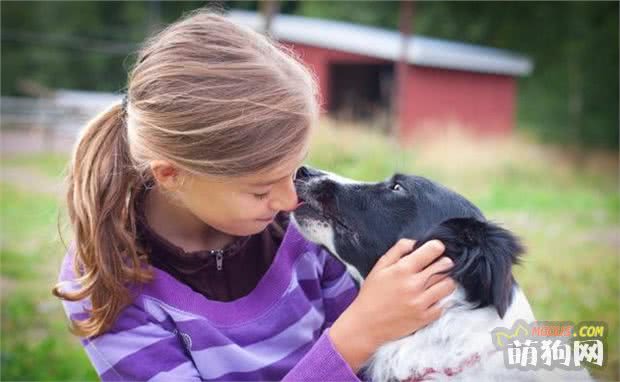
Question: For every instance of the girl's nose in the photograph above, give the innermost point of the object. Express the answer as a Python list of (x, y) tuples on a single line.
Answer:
[(288, 200)]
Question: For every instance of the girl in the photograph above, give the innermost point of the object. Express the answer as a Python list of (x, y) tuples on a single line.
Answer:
[(183, 265)]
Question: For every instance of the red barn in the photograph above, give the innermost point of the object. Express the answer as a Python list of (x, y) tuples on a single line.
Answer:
[(445, 82)]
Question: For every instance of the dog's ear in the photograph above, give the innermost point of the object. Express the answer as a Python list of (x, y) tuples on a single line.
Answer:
[(483, 254)]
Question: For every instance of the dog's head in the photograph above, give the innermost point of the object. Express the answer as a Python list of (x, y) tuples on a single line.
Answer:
[(359, 221)]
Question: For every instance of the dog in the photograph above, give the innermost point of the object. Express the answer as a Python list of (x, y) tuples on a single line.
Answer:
[(358, 222)]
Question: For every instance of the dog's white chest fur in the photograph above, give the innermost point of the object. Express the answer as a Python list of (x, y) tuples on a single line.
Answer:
[(456, 347)]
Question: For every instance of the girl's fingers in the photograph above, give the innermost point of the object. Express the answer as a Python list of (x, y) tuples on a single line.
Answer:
[(432, 274), (423, 256), (434, 279), (438, 291), (398, 250), (432, 313)]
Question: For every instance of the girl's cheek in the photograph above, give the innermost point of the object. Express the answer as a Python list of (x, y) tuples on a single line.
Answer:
[(252, 204)]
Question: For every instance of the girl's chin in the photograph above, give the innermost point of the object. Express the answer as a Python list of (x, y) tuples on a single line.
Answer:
[(256, 226)]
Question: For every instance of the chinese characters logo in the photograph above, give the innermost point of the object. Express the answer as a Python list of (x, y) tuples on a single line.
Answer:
[(550, 344)]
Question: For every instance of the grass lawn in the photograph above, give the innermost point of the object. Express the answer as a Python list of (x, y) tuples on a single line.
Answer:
[(36, 344), (566, 211)]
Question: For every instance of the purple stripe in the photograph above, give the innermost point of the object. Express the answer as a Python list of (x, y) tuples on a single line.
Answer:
[(277, 370), (333, 269), (79, 316), (161, 356), (66, 268), (129, 318), (336, 305), (296, 307), (125, 321), (209, 336), (311, 289), (267, 293)]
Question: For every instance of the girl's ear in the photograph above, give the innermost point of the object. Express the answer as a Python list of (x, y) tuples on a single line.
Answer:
[(165, 174)]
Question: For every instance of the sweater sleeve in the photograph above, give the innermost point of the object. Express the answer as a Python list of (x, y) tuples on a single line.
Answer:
[(323, 362), (136, 348)]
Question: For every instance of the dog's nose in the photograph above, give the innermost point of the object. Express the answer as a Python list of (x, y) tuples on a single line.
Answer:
[(306, 172), (302, 173), (301, 185)]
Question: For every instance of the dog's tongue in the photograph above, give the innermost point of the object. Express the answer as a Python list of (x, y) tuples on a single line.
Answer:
[(299, 204)]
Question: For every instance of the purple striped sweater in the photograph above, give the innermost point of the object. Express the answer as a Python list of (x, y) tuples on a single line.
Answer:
[(276, 332)]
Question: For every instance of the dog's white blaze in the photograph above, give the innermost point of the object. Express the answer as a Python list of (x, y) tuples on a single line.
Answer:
[(342, 180), (323, 233)]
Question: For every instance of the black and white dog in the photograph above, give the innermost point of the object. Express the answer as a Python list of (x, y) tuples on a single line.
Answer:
[(359, 221)]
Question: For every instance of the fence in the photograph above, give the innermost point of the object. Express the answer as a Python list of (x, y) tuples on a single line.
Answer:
[(51, 119)]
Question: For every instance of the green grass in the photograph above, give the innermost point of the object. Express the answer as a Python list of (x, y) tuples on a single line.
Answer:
[(36, 344), (50, 164), (28, 215), (567, 214)]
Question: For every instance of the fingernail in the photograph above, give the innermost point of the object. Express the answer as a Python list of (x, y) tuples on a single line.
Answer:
[(446, 261)]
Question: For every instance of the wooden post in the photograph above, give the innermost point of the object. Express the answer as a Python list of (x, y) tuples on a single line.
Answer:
[(268, 8), (399, 101)]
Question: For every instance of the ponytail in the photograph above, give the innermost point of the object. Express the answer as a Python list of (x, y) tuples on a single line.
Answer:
[(102, 181)]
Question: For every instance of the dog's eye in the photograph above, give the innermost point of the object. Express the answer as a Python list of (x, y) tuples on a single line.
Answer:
[(396, 187)]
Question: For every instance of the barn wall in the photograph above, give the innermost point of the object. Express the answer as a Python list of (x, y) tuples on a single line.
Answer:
[(479, 101), (320, 58)]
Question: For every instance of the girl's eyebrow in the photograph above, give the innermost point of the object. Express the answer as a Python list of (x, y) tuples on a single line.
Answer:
[(269, 182)]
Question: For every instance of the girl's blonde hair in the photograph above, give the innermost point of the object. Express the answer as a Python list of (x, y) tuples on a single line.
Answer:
[(209, 96)]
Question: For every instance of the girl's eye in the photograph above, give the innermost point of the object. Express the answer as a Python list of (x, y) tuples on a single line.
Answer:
[(261, 196), (396, 187)]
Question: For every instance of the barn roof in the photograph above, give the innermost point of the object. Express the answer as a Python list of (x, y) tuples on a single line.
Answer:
[(386, 44)]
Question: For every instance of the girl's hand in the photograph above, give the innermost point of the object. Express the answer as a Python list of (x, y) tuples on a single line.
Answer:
[(397, 298)]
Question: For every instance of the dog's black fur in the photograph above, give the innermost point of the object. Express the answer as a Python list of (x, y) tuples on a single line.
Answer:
[(370, 218)]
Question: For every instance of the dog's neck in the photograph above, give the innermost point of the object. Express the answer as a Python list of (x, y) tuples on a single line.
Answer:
[(452, 343), (472, 361)]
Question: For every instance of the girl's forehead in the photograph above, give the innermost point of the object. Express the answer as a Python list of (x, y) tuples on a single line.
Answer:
[(276, 173)]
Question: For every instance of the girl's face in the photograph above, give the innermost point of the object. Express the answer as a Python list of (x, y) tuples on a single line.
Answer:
[(245, 205)]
